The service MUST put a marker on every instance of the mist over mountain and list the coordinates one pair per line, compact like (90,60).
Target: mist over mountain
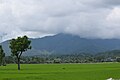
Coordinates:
(67,44)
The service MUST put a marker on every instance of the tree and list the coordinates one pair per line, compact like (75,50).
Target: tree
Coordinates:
(18,46)
(118,59)
(2,56)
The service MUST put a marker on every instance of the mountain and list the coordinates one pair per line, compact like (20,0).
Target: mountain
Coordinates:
(68,44)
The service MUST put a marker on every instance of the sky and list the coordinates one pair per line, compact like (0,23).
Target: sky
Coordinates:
(37,18)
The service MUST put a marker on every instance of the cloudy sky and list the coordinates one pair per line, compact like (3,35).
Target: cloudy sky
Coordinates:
(37,18)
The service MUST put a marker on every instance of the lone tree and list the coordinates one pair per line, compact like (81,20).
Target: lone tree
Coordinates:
(18,46)
(2,56)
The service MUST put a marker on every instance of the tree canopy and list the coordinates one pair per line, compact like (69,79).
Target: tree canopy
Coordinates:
(2,56)
(18,46)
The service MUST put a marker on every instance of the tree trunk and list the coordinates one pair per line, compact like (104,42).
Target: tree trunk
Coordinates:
(18,63)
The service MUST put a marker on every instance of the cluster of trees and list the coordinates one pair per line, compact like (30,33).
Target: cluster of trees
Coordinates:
(71,58)
(17,46)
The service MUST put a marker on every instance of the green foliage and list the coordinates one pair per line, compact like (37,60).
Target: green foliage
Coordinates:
(118,59)
(2,56)
(18,46)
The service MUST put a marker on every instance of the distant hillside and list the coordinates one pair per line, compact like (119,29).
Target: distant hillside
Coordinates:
(113,53)
(68,44)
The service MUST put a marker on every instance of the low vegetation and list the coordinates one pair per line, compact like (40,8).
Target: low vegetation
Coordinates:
(101,71)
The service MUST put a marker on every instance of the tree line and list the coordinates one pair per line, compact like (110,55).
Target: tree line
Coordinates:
(67,58)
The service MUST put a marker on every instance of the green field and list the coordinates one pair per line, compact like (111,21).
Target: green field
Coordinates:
(99,71)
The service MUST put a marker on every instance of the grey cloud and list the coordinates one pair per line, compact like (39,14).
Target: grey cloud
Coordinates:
(36,18)
(112,2)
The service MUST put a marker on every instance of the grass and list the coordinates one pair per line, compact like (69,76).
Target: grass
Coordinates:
(100,71)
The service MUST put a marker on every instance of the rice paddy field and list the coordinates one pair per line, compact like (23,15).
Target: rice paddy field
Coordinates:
(100,71)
